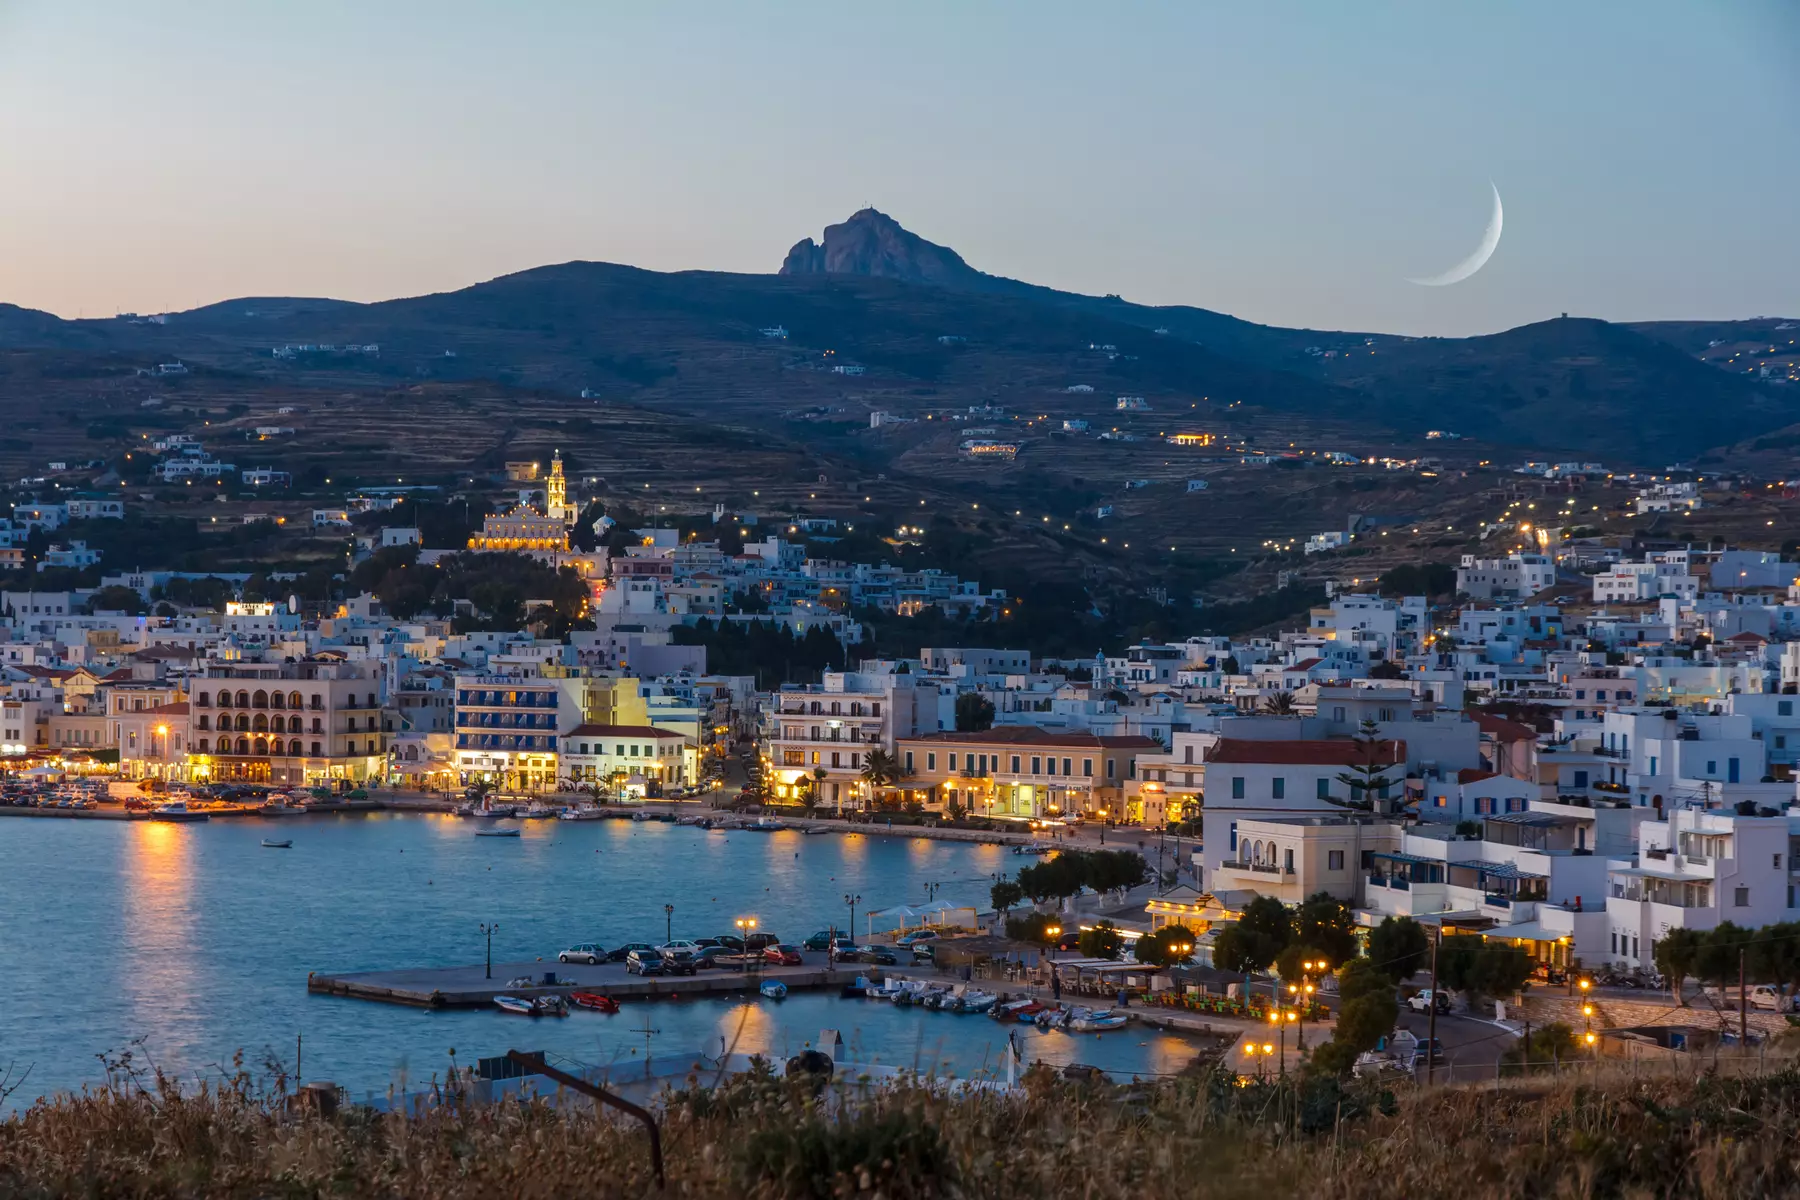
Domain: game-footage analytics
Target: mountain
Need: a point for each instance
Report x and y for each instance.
(1645, 389)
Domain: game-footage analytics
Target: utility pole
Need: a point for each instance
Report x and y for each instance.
(1431, 1019)
(1743, 1012)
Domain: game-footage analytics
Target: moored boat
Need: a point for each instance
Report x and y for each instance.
(176, 811)
(774, 989)
(766, 825)
(516, 1004)
(594, 1002)
(283, 844)
(511, 833)
(583, 812)
(549, 1006)
(1097, 1022)
(816, 831)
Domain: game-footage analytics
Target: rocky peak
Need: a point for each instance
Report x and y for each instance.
(873, 243)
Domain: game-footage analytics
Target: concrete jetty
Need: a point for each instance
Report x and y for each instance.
(470, 987)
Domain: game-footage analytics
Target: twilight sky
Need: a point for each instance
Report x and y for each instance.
(1288, 163)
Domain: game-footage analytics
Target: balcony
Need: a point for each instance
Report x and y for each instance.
(1395, 882)
(1258, 868)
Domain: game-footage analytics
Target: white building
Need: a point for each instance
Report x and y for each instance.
(1511, 578)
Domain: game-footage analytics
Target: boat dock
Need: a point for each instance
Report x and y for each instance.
(470, 987)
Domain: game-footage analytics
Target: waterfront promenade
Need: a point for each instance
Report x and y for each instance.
(472, 986)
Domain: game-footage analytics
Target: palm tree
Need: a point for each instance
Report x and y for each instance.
(880, 770)
(1281, 704)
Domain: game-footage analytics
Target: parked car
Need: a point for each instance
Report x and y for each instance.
(924, 952)
(1430, 1050)
(760, 941)
(714, 956)
(880, 956)
(1069, 941)
(623, 953)
(678, 962)
(1424, 1000)
(586, 952)
(686, 944)
(915, 937)
(784, 956)
(1765, 995)
(644, 962)
(825, 939)
(730, 942)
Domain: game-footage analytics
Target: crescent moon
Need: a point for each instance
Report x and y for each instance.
(1468, 266)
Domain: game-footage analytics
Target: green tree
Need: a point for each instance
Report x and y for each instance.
(1168, 946)
(1032, 927)
(1102, 940)
(1323, 923)
(116, 599)
(1005, 894)
(1477, 967)
(1256, 939)
(1542, 1050)
(1677, 956)
(881, 770)
(1369, 777)
(1719, 953)
(1053, 879)
(1280, 704)
(974, 713)
(1399, 947)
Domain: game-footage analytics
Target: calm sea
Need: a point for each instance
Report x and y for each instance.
(196, 940)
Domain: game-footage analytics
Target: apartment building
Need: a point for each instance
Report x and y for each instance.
(624, 760)
(1511, 578)
(819, 736)
(317, 721)
(1023, 771)
(1696, 869)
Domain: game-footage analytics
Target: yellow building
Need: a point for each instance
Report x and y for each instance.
(524, 528)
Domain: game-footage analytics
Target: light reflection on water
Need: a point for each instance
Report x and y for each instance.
(198, 940)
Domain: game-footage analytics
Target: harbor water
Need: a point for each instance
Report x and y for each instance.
(190, 943)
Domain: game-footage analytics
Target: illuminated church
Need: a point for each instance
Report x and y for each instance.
(526, 528)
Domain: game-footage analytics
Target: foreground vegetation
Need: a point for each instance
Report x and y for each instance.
(760, 1136)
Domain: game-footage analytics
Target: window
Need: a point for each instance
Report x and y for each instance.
(1015, 764)
(1600, 694)
(1741, 898)
(1287, 861)
(1653, 764)
(836, 759)
(1615, 941)
(909, 760)
(1066, 770)
(1334, 860)
(1233, 849)
(953, 761)
(931, 761)
(618, 750)
(1237, 787)
(1337, 713)
(1581, 694)
(1581, 779)
(315, 747)
(1112, 765)
(1278, 789)
(1780, 740)
(1087, 768)
(793, 758)
(1037, 766)
(1783, 708)
(1777, 863)
(1324, 788)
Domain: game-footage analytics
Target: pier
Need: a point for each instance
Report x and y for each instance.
(470, 987)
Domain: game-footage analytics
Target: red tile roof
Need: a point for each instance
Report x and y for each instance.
(621, 731)
(1329, 752)
(1031, 735)
(1502, 729)
(1474, 775)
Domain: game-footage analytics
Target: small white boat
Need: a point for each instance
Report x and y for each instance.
(512, 833)
(516, 1004)
(774, 989)
(272, 844)
(176, 811)
(540, 812)
(1096, 1022)
(978, 1002)
(766, 825)
(816, 831)
(583, 812)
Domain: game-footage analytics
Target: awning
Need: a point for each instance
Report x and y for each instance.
(1535, 820)
(1530, 931)
(902, 912)
(1398, 856)
(1497, 870)
(1457, 918)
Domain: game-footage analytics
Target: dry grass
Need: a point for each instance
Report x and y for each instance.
(758, 1136)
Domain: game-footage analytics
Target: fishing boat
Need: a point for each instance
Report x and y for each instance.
(278, 808)
(549, 1006)
(583, 812)
(816, 831)
(541, 812)
(283, 844)
(978, 1002)
(766, 825)
(1028, 1014)
(1010, 1010)
(1095, 1022)
(176, 811)
(516, 1004)
(774, 989)
(513, 833)
(594, 1002)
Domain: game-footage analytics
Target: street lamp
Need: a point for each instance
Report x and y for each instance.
(744, 927)
(1303, 994)
(852, 900)
(489, 930)
(668, 923)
